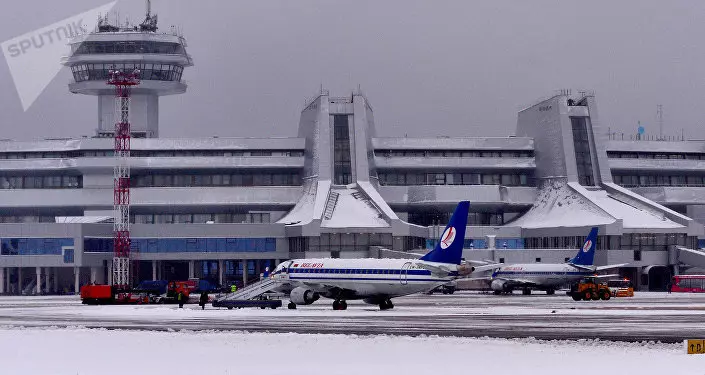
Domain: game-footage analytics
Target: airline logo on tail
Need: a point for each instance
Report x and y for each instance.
(587, 246)
(448, 237)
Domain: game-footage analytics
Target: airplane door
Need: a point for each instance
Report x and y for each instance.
(404, 272)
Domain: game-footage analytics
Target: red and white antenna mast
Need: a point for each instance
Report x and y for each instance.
(123, 83)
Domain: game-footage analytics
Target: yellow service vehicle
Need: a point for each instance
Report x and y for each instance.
(588, 289)
(621, 288)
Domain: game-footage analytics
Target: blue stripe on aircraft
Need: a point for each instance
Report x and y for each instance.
(572, 273)
(395, 280)
(358, 271)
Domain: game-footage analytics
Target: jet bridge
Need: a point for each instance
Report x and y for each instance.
(694, 258)
(246, 297)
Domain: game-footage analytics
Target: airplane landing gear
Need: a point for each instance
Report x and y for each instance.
(340, 305)
(386, 305)
(291, 306)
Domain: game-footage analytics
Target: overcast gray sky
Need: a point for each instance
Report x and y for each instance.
(428, 67)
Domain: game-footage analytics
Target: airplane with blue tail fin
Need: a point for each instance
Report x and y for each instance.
(545, 276)
(376, 281)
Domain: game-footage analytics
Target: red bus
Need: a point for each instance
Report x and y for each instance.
(688, 284)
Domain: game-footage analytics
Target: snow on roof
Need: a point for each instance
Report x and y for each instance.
(561, 204)
(657, 146)
(377, 198)
(83, 219)
(302, 213)
(632, 216)
(353, 212)
(557, 205)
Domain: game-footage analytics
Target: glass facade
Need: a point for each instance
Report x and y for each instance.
(14, 219)
(454, 178)
(122, 47)
(148, 154)
(33, 246)
(259, 178)
(185, 245)
(670, 179)
(655, 155)
(148, 72)
(203, 218)
(583, 156)
(41, 182)
(335, 242)
(455, 153)
(628, 241)
(441, 218)
(342, 170)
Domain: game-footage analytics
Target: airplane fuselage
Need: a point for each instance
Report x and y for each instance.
(542, 275)
(360, 278)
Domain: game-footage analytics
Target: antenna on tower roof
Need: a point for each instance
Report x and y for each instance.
(150, 22)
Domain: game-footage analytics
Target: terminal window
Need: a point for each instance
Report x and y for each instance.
(583, 156)
(341, 150)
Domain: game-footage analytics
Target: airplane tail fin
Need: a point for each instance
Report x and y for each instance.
(449, 248)
(586, 255)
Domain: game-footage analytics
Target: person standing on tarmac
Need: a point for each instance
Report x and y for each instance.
(203, 300)
(180, 298)
(233, 288)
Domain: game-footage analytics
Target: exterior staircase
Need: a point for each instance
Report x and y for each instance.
(330, 205)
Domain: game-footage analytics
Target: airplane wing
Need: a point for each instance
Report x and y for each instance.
(435, 270)
(487, 267)
(608, 276)
(481, 262)
(585, 268)
(610, 266)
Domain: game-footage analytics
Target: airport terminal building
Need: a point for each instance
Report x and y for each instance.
(226, 208)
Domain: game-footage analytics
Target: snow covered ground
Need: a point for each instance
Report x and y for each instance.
(647, 316)
(90, 351)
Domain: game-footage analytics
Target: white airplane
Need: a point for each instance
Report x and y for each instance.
(545, 276)
(375, 281)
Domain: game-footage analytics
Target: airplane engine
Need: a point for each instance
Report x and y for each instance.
(498, 285)
(303, 296)
(464, 270)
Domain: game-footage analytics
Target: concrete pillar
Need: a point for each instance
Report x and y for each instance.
(8, 287)
(191, 269)
(56, 280)
(2, 280)
(47, 284)
(110, 272)
(94, 275)
(244, 272)
(19, 280)
(76, 280)
(39, 280)
(221, 265)
(154, 270)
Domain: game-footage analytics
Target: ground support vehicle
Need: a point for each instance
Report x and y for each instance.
(266, 300)
(448, 288)
(621, 288)
(588, 289)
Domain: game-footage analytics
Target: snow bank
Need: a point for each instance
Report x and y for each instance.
(84, 351)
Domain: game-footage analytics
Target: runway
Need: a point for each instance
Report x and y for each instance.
(645, 317)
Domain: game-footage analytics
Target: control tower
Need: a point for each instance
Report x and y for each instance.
(160, 57)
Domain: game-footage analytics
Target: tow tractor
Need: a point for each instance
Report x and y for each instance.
(589, 289)
(146, 292)
(621, 288)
